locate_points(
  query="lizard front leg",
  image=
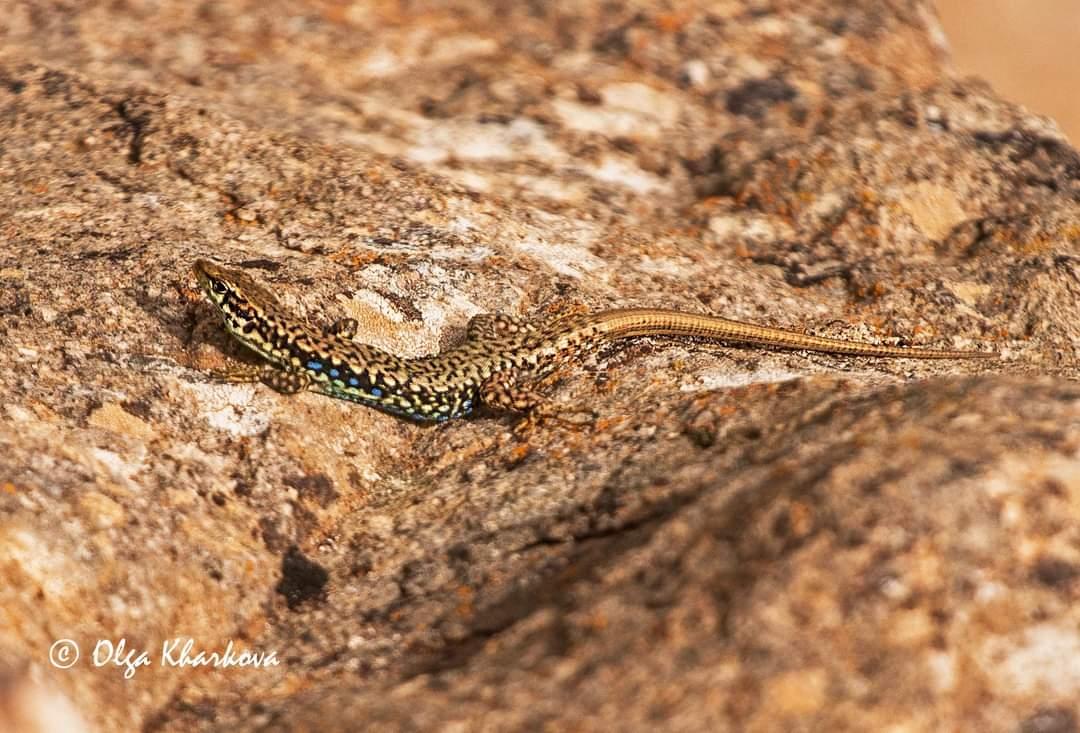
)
(281, 380)
(344, 327)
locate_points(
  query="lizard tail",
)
(625, 323)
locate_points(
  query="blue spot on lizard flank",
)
(376, 392)
(334, 373)
(354, 382)
(314, 365)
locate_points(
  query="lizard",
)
(497, 365)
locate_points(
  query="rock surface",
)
(744, 540)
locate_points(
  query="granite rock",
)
(743, 540)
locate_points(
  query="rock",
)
(743, 540)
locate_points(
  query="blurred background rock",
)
(1025, 48)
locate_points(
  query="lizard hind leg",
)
(509, 391)
(504, 391)
(495, 325)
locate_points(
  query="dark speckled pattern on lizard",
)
(492, 366)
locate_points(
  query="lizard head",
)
(218, 282)
(241, 301)
(230, 288)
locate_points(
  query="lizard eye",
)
(218, 286)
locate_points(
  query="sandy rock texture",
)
(743, 540)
